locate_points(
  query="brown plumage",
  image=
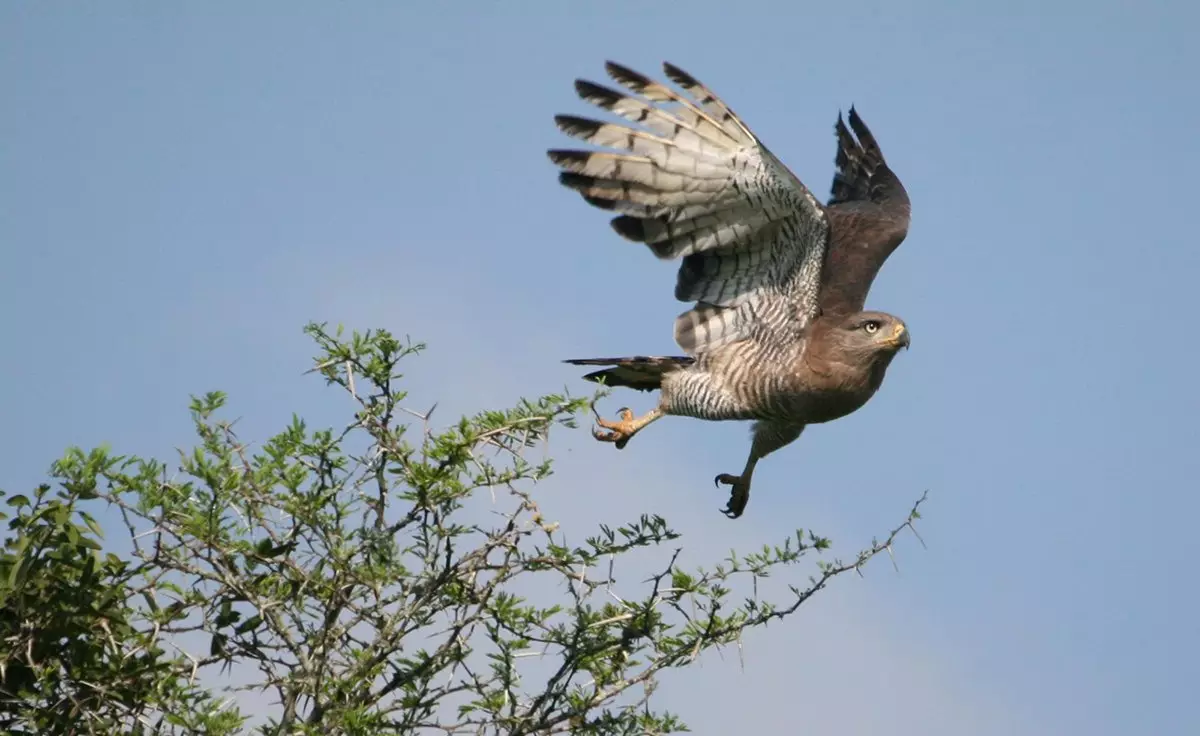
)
(776, 333)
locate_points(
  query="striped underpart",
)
(749, 380)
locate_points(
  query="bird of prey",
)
(777, 333)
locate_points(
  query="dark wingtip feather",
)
(843, 133)
(856, 122)
(864, 135)
(571, 180)
(679, 76)
(620, 70)
(630, 228)
(567, 157)
(574, 125)
(596, 94)
(626, 76)
(600, 202)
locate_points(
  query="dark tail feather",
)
(641, 372)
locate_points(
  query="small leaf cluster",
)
(74, 658)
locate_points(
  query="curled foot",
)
(739, 493)
(618, 432)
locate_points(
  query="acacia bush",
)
(382, 576)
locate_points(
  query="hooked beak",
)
(900, 337)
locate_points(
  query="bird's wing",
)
(693, 183)
(868, 215)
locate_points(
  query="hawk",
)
(777, 333)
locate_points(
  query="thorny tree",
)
(377, 578)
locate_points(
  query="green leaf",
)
(249, 624)
(217, 646)
(17, 500)
(19, 572)
(95, 527)
(89, 570)
(268, 550)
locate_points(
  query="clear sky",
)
(183, 186)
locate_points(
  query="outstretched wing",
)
(868, 216)
(694, 183)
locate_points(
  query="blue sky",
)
(182, 187)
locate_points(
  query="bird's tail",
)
(641, 372)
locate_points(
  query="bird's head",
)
(869, 335)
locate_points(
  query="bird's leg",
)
(622, 430)
(767, 439)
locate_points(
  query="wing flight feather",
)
(869, 214)
(693, 182)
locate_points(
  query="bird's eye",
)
(871, 326)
